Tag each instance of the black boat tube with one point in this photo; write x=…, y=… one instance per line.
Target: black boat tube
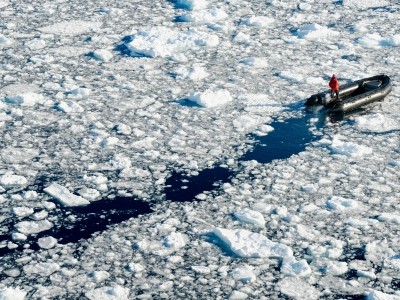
x=357, y=101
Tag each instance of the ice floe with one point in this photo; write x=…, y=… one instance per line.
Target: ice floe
x=64, y=196
x=349, y=148
x=9, y=293
x=74, y=27
x=163, y=41
x=210, y=98
x=317, y=33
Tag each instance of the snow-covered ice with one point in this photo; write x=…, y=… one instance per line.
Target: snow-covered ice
x=64, y=196
x=108, y=106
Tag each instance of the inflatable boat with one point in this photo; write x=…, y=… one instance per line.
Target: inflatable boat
x=354, y=95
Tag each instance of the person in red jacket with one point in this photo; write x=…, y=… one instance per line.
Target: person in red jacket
x=334, y=85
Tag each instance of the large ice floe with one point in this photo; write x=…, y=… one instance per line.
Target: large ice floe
x=161, y=150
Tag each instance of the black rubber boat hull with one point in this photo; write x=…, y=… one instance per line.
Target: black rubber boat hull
x=354, y=95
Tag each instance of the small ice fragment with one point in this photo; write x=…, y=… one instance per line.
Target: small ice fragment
x=47, y=242
x=244, y=274
x=11, y=181
x=250, y=216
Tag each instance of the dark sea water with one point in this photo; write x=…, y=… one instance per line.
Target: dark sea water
x=289, y=137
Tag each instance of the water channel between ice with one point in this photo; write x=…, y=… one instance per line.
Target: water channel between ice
x=289, y=137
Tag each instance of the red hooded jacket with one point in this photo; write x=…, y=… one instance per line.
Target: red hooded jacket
x=334, y=83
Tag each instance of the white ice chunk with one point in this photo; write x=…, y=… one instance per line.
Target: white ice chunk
x=255, y=62
x=163, y=41
x=356, y=4
x=116, y=292
x=47, y=242
x=378, y=251
x=260, y=103
x=103, y=55
x=341, y=204
x=246, y=122
x=336, y=268
x=245, y=243
x=244, y=274
x=36, y=44
x=98, y=276
x=389, y=218
x=204, y=16
x=377, y=295
x=317, y=33
x=74, y=27
x=33, y=227
x=42, y=269
x=31, y=195
x=4, y=41
x=377, y=123
x=69, y=107
x=297, y=289
x=174, y=240
x=292, y=267
x=9, y=293
x=349, y=148
x=64, y=196
x=211, y=98
x=201, y=269
x=194, y=73
x=27, y=99
x=192, y=4
x=90, y=194
x=258, y=21
x=22, y=211
x=135, y=268
x=376, y=41
x=169, y=243
x=11, y=181
x=393, y=262
x=82, y=92
x=16, y=236
x=250, y=216
x=238, y=295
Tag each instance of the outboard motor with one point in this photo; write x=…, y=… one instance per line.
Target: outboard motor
x=313, y=100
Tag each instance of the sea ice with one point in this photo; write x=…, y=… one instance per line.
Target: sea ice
x=98, y=276
x=33, y=227
x=4, y=41
x=69, y=107
x=389, y=218
x=317, y=33
x=245, y=243
x=378, y=251
x=27, y=99
x=250, y=216
x=47, y=242
x=210, y=98
x=256, y=62
x=103, y=55
x=9, y=293
x=204, y=16
x=192, y=4
x=71, y=28
x=349, y=148
x=377, y=123
x=64, y=196
x=10, y=181
x=42, y=268
x=116, y=292
x=377, y=295
x=292, y=267
x=22, y=211
x=163, y=41
x=355, y=4
x=297, y=289
x=258, y=21
x=244, y=274
x=341, y=204
x=194, y=73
